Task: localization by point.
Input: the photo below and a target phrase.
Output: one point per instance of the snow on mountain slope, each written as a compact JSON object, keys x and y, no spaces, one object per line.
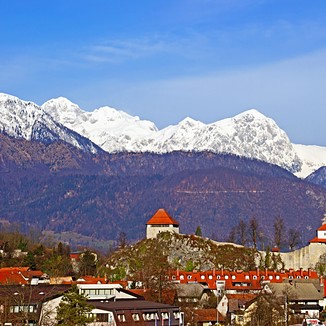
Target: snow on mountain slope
{"x":22,"y":119}
{"x":249,"y":134}
{"x":312,"y":157}
{"x":112,"y":130}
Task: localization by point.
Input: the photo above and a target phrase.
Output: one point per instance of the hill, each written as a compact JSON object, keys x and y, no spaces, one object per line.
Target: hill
{"x":59,"y":188}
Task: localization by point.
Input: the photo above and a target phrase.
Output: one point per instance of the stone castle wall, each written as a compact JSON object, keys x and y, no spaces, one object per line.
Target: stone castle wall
{"x":305,"y":258}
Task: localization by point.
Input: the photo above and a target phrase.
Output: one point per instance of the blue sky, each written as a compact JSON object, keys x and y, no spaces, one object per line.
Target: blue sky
{"x":166,"y":60}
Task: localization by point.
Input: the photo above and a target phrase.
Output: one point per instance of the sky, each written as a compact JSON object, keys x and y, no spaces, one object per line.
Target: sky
{"x":167,"y":60}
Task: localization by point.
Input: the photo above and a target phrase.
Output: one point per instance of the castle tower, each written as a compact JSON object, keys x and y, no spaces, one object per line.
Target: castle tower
{"x":161,"y":221}
{"x":321,"y":233}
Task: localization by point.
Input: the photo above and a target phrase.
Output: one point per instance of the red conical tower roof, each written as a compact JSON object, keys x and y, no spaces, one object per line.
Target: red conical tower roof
{"x":161,"y":217}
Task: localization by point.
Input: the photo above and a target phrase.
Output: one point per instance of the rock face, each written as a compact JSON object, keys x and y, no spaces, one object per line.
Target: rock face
{"x":249,"y":134}
{"x":21,"y":119}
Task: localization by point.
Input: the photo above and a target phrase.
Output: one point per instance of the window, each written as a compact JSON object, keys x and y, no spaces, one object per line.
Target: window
{"x":122,"y":317}
{"x":210,"y":277}
{"x":165,"y":315}
{"x":22,"y":308}
{"x":270,"y":277}
{"x":176,"y":314}
{"x":150,"y":316}
{"x":226,"y":277}
{"x":233,"y":277}
{"x":202,"y":277}
{"x":103,"y":318}
{"x":182,"y":277}
{"x":135,"y":317}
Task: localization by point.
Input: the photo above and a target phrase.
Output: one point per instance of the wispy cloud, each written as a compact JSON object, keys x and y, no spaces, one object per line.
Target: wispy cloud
{"x":132,"y":49}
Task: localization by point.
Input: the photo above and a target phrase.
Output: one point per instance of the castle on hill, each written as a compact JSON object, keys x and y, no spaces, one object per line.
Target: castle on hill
{"x":303,"y":258}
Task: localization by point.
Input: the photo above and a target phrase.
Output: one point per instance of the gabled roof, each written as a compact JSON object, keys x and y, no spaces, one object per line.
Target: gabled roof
{"x":18,"y":275}
{"x":299,"y":291}
{"x":161,"y":217}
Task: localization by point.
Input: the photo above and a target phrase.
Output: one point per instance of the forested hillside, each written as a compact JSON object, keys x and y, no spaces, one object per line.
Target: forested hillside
{"x":58,"y":188}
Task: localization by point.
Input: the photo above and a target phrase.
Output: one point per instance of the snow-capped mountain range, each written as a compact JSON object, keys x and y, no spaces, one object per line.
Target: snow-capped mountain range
{"x":249,"y":134}
{"x":21,"y":119}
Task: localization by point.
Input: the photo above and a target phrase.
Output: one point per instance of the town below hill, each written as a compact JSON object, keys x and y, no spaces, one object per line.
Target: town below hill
{"x":172,"y":279}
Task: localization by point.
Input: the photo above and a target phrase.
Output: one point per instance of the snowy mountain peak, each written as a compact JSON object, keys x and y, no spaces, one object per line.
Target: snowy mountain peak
{"x":189,"y":122}
{"x":251,"y":113}
{"x":62,"y":110}
{"x":250,"y":134}
{"x":21,"y":119}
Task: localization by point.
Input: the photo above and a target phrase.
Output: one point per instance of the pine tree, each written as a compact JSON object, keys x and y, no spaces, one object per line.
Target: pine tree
{"x":73,"y":309}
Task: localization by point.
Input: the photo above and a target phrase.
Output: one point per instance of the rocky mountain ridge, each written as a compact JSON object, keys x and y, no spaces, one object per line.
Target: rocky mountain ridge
{"x":249,"y":134}
{"x":21,"y":119}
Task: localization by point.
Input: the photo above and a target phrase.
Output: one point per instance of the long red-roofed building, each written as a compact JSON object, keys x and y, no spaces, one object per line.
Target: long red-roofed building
{"x":240,"y":281}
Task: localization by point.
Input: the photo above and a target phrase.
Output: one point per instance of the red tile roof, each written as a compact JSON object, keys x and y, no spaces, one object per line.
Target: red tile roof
{"x":18,"y":275}
{"x":238,"y":280}
{"x":322,"y":228}
{"x":161,"y":217}
{"x":206,"y":315}
{"x":316,"y":239}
